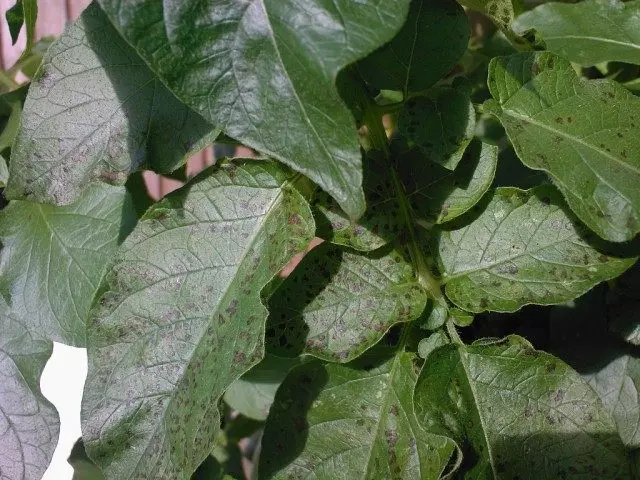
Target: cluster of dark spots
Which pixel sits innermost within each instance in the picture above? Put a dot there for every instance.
(239, 357)
(484, 303)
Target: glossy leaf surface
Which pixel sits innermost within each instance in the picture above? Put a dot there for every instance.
(337, 304)
(523, 248)
(333, 421)
(96, 112)
(182, 318)
(519, 411)
(588, 32)
(592, 126)
(265, 72)
(54, 258)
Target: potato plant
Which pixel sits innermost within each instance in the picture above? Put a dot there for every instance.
(472, 169)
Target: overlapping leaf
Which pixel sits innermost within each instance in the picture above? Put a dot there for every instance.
(523, 248)
(333, 421)
(337, 304)
(29, 424)
(53, 258)
(182, 318)
(588, 32)
(584, 133)
(518, 412)
(427, 47)
(96, 112)
(265, 72)
(502, 12)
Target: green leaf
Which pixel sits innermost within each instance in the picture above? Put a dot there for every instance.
(441, 127)
(523, 248)
(438, 194)
(333, 421)
(53, 258)
(550, 116)
(618, 385)
(10, 113)
(502, 12)
(265, 72)
(24, 12)
(182, 318)
(4, 172)
(427, 47)
(83, 467)
(337, 304)
(29, 424)
(96, 112)
(589, 32)
(432, 342)
(252, 394)
(516, 410)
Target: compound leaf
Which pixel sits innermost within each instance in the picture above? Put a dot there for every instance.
(592, 126)
(333, 421)
(183, 319)
(96, 112)
(54, 258)
(265, 72)
(523, 248)
(519, 411)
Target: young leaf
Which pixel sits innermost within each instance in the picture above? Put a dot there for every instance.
(265, 71)
(96, 112)
(252, 394)
(333, 421)
(592, 126)
(523, 248)
(441, 127)
(589, 32)
(519, 411)
(502, 12)
(427, 47)
(83, 467)
(182, 318)
(29, 424)
(440, 195)
(336, 304)
(53, 258)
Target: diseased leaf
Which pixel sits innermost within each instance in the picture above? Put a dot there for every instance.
(440, 195)
(523, 248)
(517, 411)
(427, 47)
(265, 72)
(29, 424)
(333, 421)
(441, 127)
(182, 318)
(53, 258)
(337, 304)
(584, 133)
(252, 394)
(96, 112)
(588, 32)
(502, 12)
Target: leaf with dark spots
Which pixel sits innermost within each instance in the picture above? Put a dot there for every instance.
(521, 250)
(266, 72)
(539, 99)
(367, 414)
(515, 416)
(183, 292)
(337, 304)
(95, 112)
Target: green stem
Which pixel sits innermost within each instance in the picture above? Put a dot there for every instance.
(7, 81)
(453, 333)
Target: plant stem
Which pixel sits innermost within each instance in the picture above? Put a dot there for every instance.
(453, 333)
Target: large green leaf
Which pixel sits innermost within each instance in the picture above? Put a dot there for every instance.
(54, 257)
(588, 32)
(523, 248)
(265, 72)
(337, 304)
(441, 127)
(428, 46)
(584, 133)
(519, 413)
(29, 424)
(336, 422)
(182, 318)
(96, 112)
